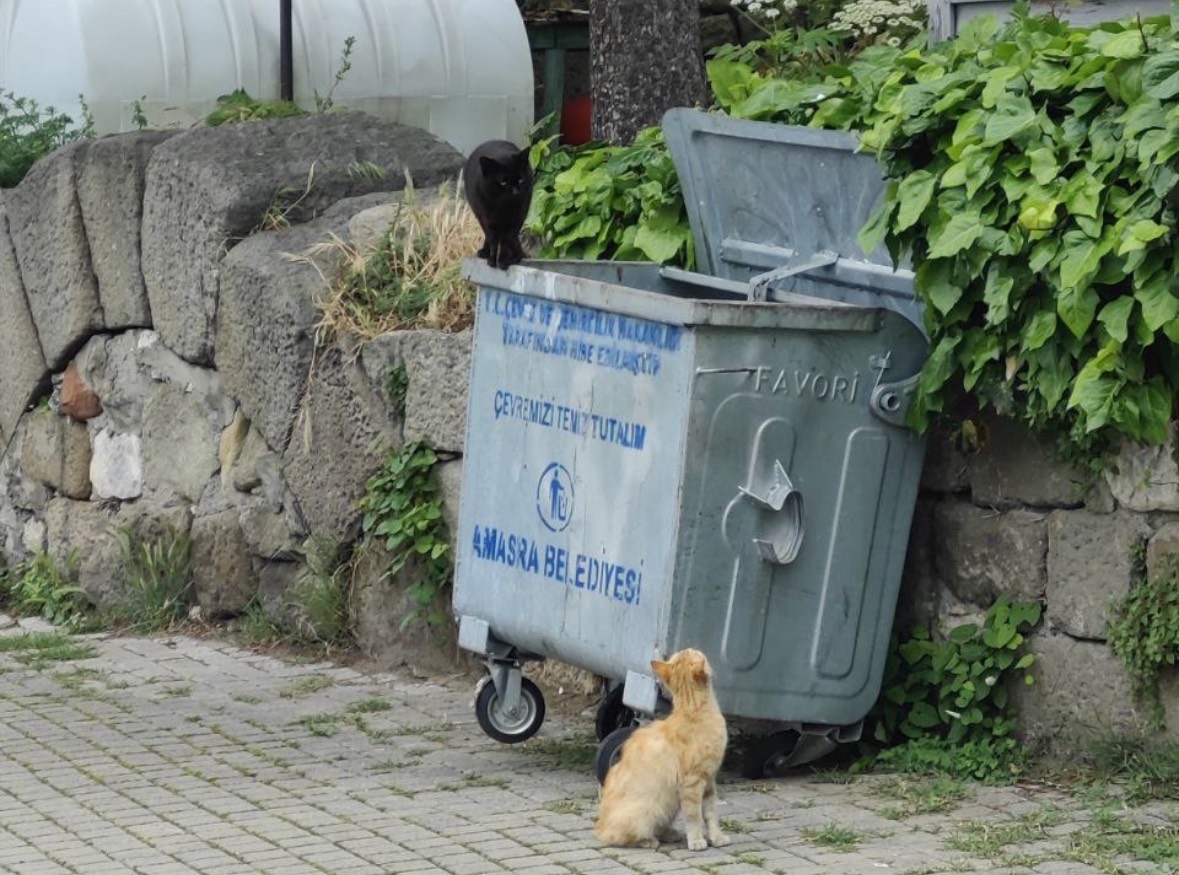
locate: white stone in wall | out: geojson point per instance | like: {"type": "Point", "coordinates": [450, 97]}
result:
{"type": "Point", "coordinates": [116, 469]}
{"type": "Point", "coordinates": [33, 535]}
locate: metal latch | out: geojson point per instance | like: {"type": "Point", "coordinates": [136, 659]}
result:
{"type": "Point", "coordinates": [777, 493]}
{"type": "Point", "coordinates": [759, 286]}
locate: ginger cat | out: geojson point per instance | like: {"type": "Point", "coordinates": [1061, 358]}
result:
{"type": "Point", "coordinates": [669, 765]}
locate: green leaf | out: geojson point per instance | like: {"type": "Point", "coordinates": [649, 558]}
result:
{"type": "Point", "coordinates": [1076, 307]}
{"type": "Point", "coordinates": [1010, 120]}
{"type": "Point", "coordinates": [1160, 75]}
{"type": "Point", "coordinates": [913, 195]}
{"type": "Point", "coordinates": [1159, 304]}
{"type": "Point", "coordinates": [1136, 236]}
{"type": "Point", "coordinates": [935, 282]}
{"type": "Point", "coordinates": [1039, 328]}
{"type": "Point", "coordinates": [955, 235]}
{"type": "Point", "coordinates": [1127, 44]}
{"type": "Point", "coordinates": [875, 230]}
{"type": "Point", "coordinates": [658, 245]}
{"type": "Point", "coordinates": [1115, 316]}
{"type": "Point", "coordinates": [1094, 390]}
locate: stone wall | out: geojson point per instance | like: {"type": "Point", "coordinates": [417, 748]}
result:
{"type": "Point", "coordinates": [158, 366]}
{"type": "Point", "coordinates": [1010, 519]}
{"type": "Point", "coordinates": [158, 362]}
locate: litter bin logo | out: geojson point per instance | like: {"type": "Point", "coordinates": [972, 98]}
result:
{"type": "Point", "coordinates": [554, 497]}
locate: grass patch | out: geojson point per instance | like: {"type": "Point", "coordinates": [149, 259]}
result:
{"type": "Point", "coordinates": [247, 699]}
{"type": "Point", "coordinates": [750, 859]}
{"type": "Point", "coordinates": [385, 766]}
{"type": "Point", "coordinates": [833, 837]}
{"type": "Point", "coordinates": [75, 681]}
{"type": "Point", "coordinates": [565, 806]}
{"type": "Point", "coordinates": [425, 730]}
{"type": "Point", "coordinates": [306, 686]}
{"type": "Point", "coordinates": [574, 754]}
{"type": "Point", "coordinates": [1146, 767]}
{"type": "Point", "coordinates": [986, 838]}
{"type": "Point", "coordinates": [322, 725]}
{"type": "Point", "coordinates": [369, 706]}
{"type": "Point", "coordinates": [179, 691]}
{"type": "Point", "coordinates": [470, 781]}
{"type": "Point", "coordinates": [40, 649]}
{"type": "Point", "coordinates": [916, 796]}
{"type": "Point", "coordinates": [735, 827]}
{"type": "Point", "coordinates": [413, 277]}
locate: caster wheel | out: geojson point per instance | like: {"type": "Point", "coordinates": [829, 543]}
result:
{"type": "Point", "coordinates": [612, 714]}
{"type": "Point", "coordinates": [767, 756]}
{"type": "Point", "coordinates": [510, 727]}
{"type": "Point", "coordinates": [610, 751]}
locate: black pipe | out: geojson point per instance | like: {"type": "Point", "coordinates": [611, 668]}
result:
{"type": "Point", "coordinates": [286, 76]}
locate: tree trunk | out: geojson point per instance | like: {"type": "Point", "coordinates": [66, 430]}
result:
{"type": "Point", "coordinates": [644, 59]}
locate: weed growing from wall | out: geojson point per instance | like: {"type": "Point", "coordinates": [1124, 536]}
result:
{"type": "Point", "coordinates": [1145, 631]}
{"type": "Point", "coordinates": [159, 578]}
{"type": "Point", "coordinates": [29, 132]}
{"type": "Point", "coordinates": [945, 703]}
{"type": "Point", "coordinates": [39, 586]}
{"type": "Point", "coordinates": [403, 511]}
{"type": "Point", "coordinates": [321, 596]}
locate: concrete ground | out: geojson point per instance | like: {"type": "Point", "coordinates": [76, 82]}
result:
{"type": "Point", "coordinates": [173, 755]}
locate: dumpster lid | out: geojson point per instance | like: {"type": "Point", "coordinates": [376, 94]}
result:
{"type": "Point", "coordinates": [767, 197]}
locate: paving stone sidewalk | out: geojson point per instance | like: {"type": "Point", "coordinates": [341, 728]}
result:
{"type": "Point", "coordinates": [163, 756]}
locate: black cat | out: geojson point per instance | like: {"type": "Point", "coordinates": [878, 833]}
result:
{"type": "Point", "coordinates": [498, 182]}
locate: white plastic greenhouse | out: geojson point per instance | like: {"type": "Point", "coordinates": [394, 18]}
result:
{"type": "Point", "coordinates": [458, 68]}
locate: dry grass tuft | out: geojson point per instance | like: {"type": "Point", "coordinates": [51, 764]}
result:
{"type": "Point", "coordinates": [411, 279]}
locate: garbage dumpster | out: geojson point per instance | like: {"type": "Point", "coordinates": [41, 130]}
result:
{"type": "Point", "coordinates": [659, 458]}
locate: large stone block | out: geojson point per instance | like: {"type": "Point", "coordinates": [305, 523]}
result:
{"type": "Point", "coordinates": [438, 364]}
{"type": "Point", "coordinates": [1145, 477]}
{"type": "Point", "coordinates": [56, 453]}
{"type": "Point", "coordinates": [84, 534]}
{"type": "Point", "coordinates": [1081, 692]}
{"type": "Point", "coordinates": [181, 434]}
{"type": "Point", "coordinates": [266, 329]}
{"type": "Point", "coordinates": [983, 554]}
{"type": "Point", "coordinates": [337, 445]}
{"type": "Point", "coordinates": [208, 187]}
{"type": "Point", "coordinates": [378, 608]}
{"type": "Point", "coordinates": [110, 194]}
{"type": "Point", "coordinates": [54, 256]}
{"type": "Point", "coordinates": [222, 572]}
{"type": "Point", "coordinates": [1091, 566]}
{"type": "Point", "coordinates": [449, 476]}
{"type": "Point", "coordinates": [17, 489]}
{"type": "Point", "coordinates": [1013, 468]}
{"type": "Point", "coordinates": [23, 374]}
{"type": "Point", "coordinates": [1162, 552]}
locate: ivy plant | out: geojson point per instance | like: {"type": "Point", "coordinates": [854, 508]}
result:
{"type": "Point", "coordinates": [402, 509]}
{"type": "Point", "coordinates": [1144, 633]}
{"type": "Point", "coordinates": [945, 701]}
{"type": "Point", "coordinates": [610, 202]}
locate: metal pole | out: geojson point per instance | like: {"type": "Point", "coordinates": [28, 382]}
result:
{"type": "Point", "coordinates": [286, 84]}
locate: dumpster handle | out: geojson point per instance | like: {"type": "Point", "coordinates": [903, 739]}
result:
{"type": "Point", "coordinates": [780, 548]}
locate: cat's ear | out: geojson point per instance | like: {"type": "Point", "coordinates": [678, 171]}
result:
{"type": "Point", "coordinates": [489, 165]}
{"type": "Point", "coordinates": [662, 669]}
{"type": "Point", "coordinates": [522, 158]}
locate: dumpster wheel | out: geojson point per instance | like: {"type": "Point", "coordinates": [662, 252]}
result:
{"type": "Point", "coordinates": [610, 750]}
{"type": "Point", "coordinates": [767, 756]}
{"type": "Point", "coordinates": [505, 726]}
{"type": "Point", "coordinates": [612, 714]}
